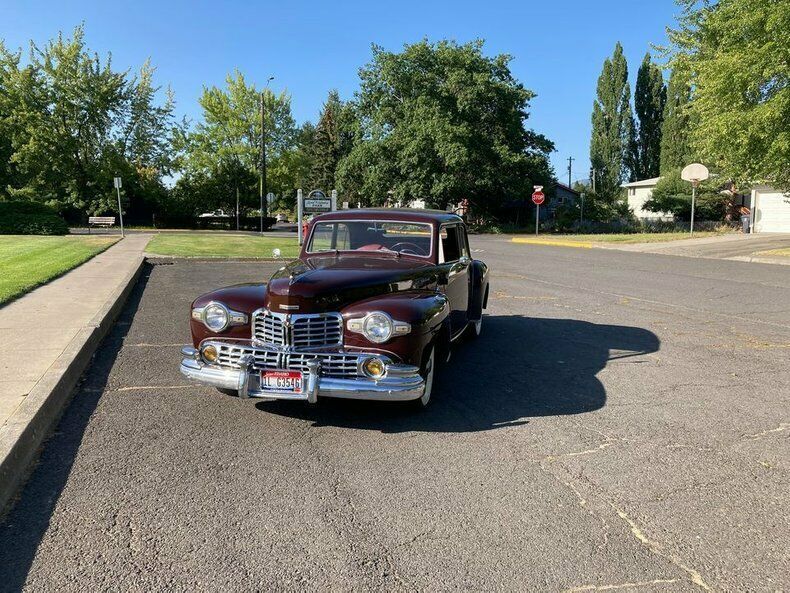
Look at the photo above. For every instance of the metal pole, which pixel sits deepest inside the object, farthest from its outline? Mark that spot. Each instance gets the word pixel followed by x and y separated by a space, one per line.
pixel 263 160
pixel 264 190
pixel 120 212
pixel 693 200
pixel 299 214
pixel 537 218
pixel 237 207
pixel 581 212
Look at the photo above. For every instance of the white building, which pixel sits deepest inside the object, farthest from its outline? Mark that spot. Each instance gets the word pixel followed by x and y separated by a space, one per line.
pixel 639 192
pixel 770 210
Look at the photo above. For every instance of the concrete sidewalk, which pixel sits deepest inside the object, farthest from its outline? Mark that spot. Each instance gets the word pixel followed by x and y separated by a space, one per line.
pixel 49 335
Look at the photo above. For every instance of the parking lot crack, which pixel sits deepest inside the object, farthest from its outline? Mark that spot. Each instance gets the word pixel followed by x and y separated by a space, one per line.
pixel 658 549
pixel 764 433
pixel 614 587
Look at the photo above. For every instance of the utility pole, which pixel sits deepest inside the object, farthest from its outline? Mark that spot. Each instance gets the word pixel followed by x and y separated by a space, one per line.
pixel 570 165
pixel 263 189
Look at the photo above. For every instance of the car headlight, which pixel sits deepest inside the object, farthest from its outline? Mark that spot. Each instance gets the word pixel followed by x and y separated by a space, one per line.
pixel 216 317
pixel 377 327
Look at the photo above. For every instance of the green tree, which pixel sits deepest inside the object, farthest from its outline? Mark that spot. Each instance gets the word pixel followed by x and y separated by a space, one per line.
pixel 676 129
pixel 222 152
pixel 737 56
pixel 673 194
pixel 650 96
pixel 334 137
pixel 443 122
pixel 611 125
pixel 74 123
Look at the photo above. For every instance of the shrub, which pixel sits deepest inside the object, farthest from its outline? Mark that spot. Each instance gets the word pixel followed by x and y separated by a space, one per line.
pixel 30 218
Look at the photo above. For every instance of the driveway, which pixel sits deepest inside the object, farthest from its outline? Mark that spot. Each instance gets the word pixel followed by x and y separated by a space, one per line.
pixel 731 246
pixel 622 422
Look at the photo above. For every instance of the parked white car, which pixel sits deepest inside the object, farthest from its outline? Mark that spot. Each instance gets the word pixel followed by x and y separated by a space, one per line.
pixel 216 214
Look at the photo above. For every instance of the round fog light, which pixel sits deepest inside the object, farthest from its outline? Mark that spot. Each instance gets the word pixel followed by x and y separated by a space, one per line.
pixel 373 367
pixel 210 354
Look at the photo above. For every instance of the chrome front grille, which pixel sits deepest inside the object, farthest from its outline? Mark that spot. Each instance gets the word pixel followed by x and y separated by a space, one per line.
pixel 333 364
pixel 311 330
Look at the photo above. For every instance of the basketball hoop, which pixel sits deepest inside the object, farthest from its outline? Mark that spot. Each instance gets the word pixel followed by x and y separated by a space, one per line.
pixel 694 173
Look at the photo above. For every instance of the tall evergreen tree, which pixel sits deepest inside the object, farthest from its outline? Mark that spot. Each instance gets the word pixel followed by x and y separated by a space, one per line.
pixel 333 139
pixel 611 125
pixel 650 97
pixel 675 131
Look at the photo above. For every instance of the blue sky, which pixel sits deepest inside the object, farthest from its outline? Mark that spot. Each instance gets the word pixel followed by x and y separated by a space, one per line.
pixel 311 47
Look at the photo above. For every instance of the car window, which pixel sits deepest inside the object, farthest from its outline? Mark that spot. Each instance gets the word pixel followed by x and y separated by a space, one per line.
pixel 463 241
pixel 450 247
pixel 328 237
pixel 407 238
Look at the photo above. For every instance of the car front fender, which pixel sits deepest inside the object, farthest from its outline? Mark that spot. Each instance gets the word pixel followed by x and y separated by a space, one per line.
pixel 425 311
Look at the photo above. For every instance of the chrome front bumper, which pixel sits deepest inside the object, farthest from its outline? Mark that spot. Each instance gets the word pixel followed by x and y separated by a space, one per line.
pixel 400 383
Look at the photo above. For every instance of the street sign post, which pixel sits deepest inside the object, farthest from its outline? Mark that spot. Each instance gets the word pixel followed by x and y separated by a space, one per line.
pixel 316 202
pixel 694 173
pixel 117 183
pixel 538 197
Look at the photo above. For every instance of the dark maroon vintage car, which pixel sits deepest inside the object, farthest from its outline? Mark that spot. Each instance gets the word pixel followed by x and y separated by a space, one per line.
pixel 366 312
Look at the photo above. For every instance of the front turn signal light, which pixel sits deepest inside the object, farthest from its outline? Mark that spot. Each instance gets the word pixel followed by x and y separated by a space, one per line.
pixel 373 368
pixel 210 354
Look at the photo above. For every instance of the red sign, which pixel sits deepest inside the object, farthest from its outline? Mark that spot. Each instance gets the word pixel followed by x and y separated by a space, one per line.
pixel 538 197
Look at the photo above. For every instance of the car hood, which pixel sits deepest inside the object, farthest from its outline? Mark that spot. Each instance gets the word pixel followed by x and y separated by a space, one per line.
pixel 329 283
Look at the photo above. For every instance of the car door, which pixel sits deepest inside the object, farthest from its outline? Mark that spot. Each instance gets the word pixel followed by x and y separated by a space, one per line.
pixel 454 257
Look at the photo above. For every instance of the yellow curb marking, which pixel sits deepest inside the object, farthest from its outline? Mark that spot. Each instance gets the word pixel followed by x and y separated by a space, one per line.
pixel 554 242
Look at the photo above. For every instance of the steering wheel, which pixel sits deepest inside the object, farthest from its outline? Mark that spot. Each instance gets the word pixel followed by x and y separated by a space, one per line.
pixel 408 247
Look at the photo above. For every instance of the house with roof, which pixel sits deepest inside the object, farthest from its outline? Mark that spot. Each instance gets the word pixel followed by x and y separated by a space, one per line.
pixel 639 192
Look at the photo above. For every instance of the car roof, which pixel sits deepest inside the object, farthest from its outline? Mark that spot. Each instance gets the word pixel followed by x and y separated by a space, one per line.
pixel 400 214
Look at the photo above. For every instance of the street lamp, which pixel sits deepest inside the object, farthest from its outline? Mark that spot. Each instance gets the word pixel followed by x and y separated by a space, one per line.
pixel 263 188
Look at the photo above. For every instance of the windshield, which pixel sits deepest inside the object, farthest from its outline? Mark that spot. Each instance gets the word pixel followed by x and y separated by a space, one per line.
pixel 407 238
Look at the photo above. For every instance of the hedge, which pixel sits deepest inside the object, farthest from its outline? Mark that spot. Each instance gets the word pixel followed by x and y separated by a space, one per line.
pixel 30 218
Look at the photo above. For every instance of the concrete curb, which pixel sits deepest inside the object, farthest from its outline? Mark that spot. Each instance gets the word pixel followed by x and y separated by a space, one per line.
pixel 23 434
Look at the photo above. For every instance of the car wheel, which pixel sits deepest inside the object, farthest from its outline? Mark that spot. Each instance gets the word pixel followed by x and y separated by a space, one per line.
pixel 428 374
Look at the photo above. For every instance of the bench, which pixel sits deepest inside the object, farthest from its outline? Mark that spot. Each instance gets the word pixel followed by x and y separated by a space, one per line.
pixel 105 221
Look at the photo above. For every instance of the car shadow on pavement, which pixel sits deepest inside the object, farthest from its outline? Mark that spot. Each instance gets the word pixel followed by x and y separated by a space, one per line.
pixel 520 367
pixel 26 522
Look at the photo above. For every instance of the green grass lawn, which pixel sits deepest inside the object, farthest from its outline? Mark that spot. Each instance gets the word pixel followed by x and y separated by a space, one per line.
pixel 221 245
pixel 27 261
pixel 624 237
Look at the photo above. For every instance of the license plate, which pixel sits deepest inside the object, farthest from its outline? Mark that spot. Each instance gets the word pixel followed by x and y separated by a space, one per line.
pixel 287 381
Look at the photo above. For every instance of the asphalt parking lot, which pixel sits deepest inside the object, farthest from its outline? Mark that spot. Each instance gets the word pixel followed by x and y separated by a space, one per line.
pixel 622 422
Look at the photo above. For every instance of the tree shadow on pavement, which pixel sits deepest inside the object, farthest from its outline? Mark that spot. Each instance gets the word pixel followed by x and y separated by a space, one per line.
pixel 22 529
pixel 520 367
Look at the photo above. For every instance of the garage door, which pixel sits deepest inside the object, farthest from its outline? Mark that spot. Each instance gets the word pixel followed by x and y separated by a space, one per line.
pixel 772 213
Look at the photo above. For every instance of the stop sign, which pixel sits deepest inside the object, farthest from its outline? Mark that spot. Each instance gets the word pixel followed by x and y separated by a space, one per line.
pixel 538 197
